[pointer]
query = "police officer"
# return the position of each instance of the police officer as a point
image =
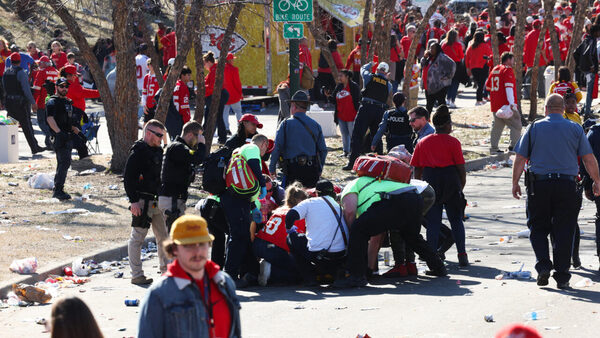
(178, 170)
(300, 143)
(141, 180)
(372, 206)
(375, 94)
(552, 146)
(19, 100)
(395, 124)
(59, 114)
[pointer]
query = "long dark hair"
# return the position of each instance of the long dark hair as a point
(71, 318)
(451, 37)
(478, 39)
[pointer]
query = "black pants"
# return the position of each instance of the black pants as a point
(480, 76)
(382, 216)
(283, 268)
(368, 118)
(553, 210)
(221, 130)
(79, 144)
(597, 201)
(212, 212)
(356, 77)
(435, 99)
(308, 175)
(63, 162)
(308, 262)
(19, 109)
(239, 251)
(43, 125)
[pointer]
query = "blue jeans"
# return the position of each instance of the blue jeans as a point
(237, 110)
(346, 129)
(453, 90)
(283, 268)
(589, 84)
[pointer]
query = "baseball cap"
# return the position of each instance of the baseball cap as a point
(44, 59)
(383, 67)
(61, 81)
(16, 57)
(70, 69)
(230, 56)
(171, 61)
(190, 229)
(537, 22)
(324, 187)
(251, 118)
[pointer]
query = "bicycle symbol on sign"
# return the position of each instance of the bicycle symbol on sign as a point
(300, 5)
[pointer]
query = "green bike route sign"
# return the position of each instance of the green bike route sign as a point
(293, 10)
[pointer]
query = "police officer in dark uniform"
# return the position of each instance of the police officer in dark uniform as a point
(375, 93)
(59, 114)
(300, 143)
(19, 100)
(552, 146)
(142, 180)
(395, 124)
(178, 170)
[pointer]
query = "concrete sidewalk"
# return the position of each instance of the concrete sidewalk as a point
(421, 306)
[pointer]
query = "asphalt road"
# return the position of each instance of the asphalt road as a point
(419, 306)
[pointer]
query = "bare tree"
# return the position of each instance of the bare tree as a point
(534, 72)
(412, 51)
(549, 22)
(384, 15)
(494, 32)
(518, 46)
(148, 32)
(216, 96)
(577, 29)
(364, 48)
(199, 112)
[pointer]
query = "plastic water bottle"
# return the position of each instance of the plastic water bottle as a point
(535, 315)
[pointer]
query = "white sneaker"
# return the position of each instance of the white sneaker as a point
(265, 273)
(479, 103)
(451, 104)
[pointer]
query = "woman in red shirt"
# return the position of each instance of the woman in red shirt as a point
(58, 56)
(346, 98)
(209, 84)
(438, 160)
(476, 60)
(454, 50)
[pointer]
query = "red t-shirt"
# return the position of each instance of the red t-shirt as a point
(232, 83)
(181, 99)
(60, 59)
(220, 310)
(475, 56)
(274, 231)
(39, 91)
(78, 94)
(345, 106)
(437, 151)
(405, 42)
(150, 88)
(353, 61)
(209, 81)
(454, 51)
(501, 77)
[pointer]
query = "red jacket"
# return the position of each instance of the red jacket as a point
(60, 60)
(181, 99)
(475, 56)
(232, 83)
(305, 58)
(169, 43)
(405, 42)
(353, 61)
(209, 81)
(454, 51)
(529, 49)
(39, 91)
(78, 94)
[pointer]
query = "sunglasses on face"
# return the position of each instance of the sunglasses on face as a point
(156, 133)
(413, 120)
(63, 86)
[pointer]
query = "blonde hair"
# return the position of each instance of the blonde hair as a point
(56, 43)
(294, 194)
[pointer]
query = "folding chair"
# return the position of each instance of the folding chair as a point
(90, 131)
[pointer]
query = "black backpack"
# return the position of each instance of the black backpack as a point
(213, 178)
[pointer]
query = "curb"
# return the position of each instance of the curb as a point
(480, 163)
(116, 253)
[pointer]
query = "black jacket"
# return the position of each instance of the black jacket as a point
(586, 55)
(178, 168)
(354, 92)
(142, 170)
(236, 141)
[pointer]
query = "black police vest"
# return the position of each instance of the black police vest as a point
(11, 83)
(376, 89)
(63, 112)
(397, 123)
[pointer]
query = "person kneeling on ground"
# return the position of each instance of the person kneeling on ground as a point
(270, 243)
(195, 299)
(377, 204)
(323, 248)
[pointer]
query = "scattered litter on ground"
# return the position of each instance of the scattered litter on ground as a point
(132, 302)
(519, 274)
(30, 293)
(369, 308)
(535, 315)
(473, 204)
(550, 328)
(474, 237)
(475, 249)
(68, 211)
(505, 253)
(524, 233)
(80, 268)
(24, 266)
(41, 228)
(341, 308)
(48, 201)
(41, 321)
(13, 300)
(299, 307)
(82, 198)
(76, 239)
(118, 274)
(584, 283)
(13, 184)
(113, 187)
(87, 172)
(505, 239)
(489, 318)
(41, 181)
(87, 186)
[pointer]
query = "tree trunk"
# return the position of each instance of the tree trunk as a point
(577, 30)
(199, 112)
(114, 127)
(148, 33)
(412, 51)
(319, 34)
(534, 73)
(381, 33)
(549, 21)
(365, 32)
(494, 32)
(183, 47)
(388, 19)
(518, 46)
(179, 19)
(216, 96)
(378, 31)
(126, 91)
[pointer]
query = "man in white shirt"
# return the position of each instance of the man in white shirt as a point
(323, 248)
(141, 69)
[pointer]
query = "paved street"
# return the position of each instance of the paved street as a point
(422, 306)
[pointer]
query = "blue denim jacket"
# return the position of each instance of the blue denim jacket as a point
(173, 307)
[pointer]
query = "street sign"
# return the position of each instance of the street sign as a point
(293, 10)
(293, 30)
